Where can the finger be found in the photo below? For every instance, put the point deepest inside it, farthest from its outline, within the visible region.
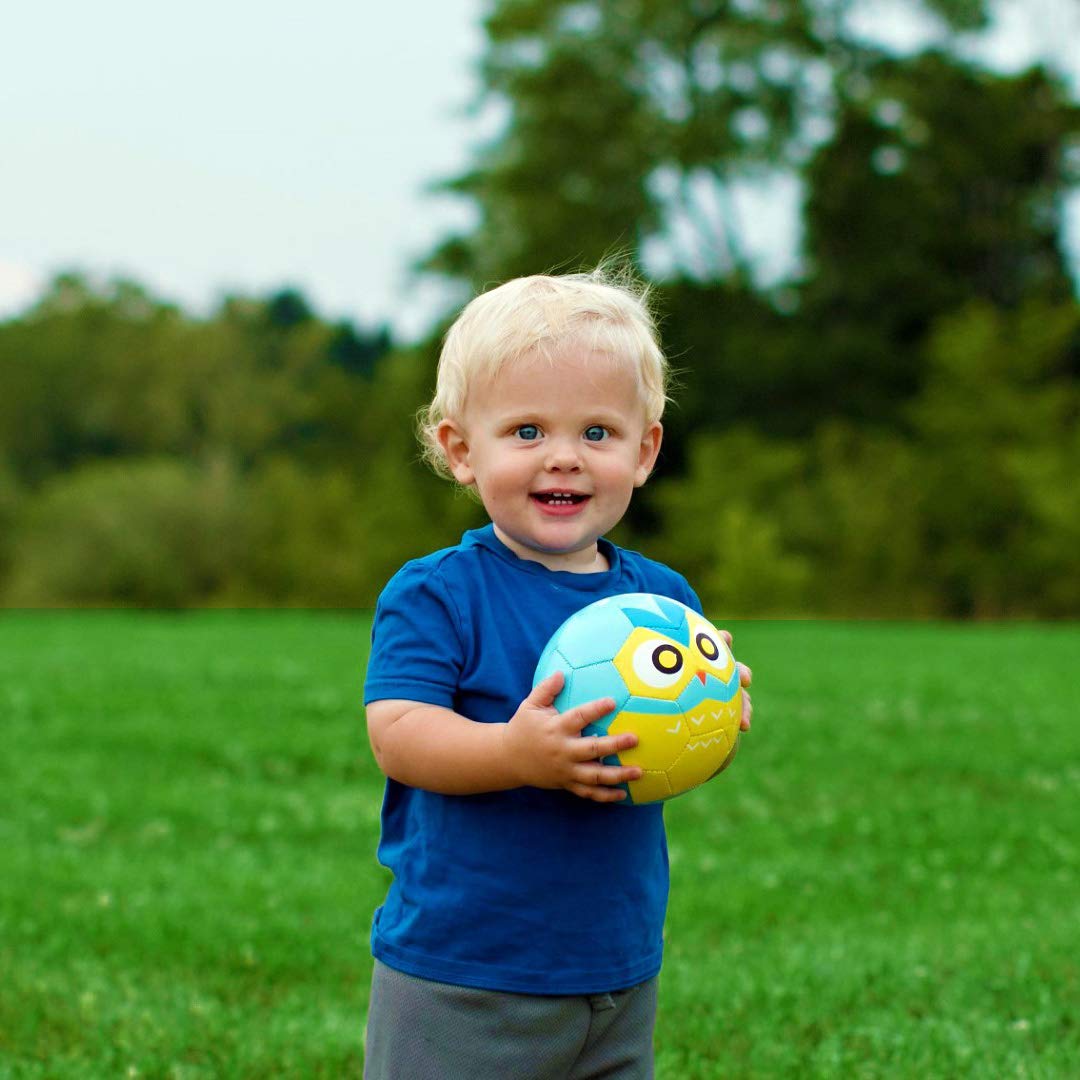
(746, 676)
(597, 794)
(594, 775)
(582, 715)
(547, 690)
(747, 712)
(595, 747)
(726, 635)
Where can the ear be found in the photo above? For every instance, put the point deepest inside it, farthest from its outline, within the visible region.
(451, 437)
(648, 451)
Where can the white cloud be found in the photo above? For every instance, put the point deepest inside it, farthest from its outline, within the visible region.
(19, 287)
(1025, 32)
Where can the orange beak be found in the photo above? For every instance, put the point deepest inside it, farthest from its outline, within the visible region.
(701, 675)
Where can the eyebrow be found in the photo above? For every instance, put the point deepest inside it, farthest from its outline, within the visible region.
(604, 419)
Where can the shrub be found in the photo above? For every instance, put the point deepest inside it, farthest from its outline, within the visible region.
(156, 533)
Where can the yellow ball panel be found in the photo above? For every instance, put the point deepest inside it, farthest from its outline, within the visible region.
(624, 663)
(711, 716)
(699, 761)
(651, 787)
(678, 751)
(661, 739)
(722, 664)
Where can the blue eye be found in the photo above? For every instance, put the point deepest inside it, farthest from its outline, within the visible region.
(596, 433)
(528, 432)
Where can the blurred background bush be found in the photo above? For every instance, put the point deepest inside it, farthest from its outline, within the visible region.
(890, 430)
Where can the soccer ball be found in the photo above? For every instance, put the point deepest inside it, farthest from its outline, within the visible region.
(674, 681)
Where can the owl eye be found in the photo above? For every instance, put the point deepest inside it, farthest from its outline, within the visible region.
(707, 646)
(711, 649)
(657, 664)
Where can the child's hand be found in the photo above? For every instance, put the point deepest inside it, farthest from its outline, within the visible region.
(746, 676)
(546, 749)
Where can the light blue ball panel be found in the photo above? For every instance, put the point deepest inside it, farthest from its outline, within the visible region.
(657, 613)
(590, 683)
(551, 660)
(714, 689)
(594, 634)
(546, 664)
(652, 705)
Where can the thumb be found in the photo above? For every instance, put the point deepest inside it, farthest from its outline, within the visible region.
(546, 690)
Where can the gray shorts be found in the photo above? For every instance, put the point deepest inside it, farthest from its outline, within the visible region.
(423, 1030)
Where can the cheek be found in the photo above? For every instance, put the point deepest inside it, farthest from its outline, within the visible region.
(620, 469)
(503, 473)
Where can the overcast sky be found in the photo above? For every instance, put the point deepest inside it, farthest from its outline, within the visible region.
(233, 145)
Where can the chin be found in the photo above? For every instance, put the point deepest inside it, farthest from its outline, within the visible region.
(557, 549)
(549, 545)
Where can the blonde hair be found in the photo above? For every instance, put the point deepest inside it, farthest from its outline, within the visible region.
(534, 317)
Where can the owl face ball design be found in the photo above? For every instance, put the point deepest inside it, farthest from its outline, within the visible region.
(673, 679)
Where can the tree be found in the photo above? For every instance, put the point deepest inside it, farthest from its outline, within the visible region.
(999, 425)
(255, 456)
(942, 187)
(628, 116)
(929, 184)
(105, 371)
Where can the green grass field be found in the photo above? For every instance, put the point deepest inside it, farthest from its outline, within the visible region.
(886, 883)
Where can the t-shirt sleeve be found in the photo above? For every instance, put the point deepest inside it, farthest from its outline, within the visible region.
(679, 589)
(691, 599)
(416, 652)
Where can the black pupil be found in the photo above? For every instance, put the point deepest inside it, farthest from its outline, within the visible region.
(708, 647)
(666, 659)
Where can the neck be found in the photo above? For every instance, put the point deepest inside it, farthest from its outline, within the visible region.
(589, 560)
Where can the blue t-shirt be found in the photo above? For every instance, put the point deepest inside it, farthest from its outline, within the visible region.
(526, 890)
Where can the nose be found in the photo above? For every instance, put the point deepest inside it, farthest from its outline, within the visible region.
(563, 456)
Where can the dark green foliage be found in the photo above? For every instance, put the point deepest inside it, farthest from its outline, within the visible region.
(92, 373)
(942, 187)
(296, 483)
(971, 512)
(149, 458)
(894, 431)
(1002, 412)
(929, 184)
(620, 113)
(601, 96)
(734, 355)
(158, 532)
(357, 353)
(288, 308)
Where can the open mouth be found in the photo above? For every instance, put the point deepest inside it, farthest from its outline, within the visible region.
(558, 500)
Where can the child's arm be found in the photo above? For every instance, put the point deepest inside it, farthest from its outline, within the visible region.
(430, 747)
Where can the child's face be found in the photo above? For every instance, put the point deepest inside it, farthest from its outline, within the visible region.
(555, 451)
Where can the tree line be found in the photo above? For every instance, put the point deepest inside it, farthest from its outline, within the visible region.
(895, 430)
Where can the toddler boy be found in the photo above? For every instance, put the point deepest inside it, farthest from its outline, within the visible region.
(522, 934)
